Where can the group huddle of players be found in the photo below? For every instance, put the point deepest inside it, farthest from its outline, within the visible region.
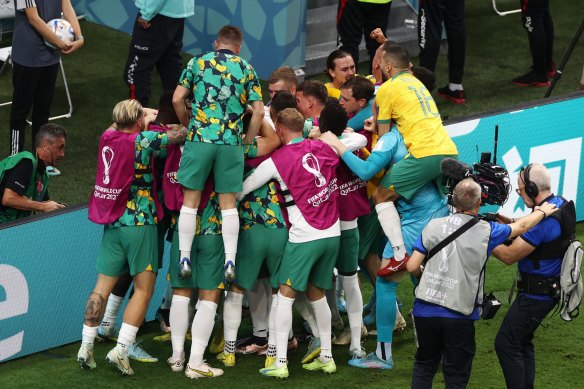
(266, 202)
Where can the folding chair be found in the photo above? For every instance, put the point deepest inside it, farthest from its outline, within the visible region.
(5, 57)
(503, 13)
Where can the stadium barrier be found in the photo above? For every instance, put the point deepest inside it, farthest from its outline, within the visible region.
(47, 262)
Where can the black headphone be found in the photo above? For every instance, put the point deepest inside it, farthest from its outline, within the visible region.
(531, 189)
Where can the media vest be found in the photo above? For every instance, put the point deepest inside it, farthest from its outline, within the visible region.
(33, 191)
(453, 278)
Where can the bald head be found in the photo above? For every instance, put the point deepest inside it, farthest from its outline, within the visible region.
(466, 195)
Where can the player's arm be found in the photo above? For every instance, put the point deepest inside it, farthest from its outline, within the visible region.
(262, 174)
(520, 249)
(176, 133)
(33, 17)
(11, 199)
(415, 262)
(268, 140)
(70, 16)
(178, 102)
(257, 117)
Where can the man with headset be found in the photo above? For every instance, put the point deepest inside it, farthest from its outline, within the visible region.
(538, 253)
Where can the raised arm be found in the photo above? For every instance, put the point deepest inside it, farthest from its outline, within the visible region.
(257, 117)
(268, 140)
(178, 102)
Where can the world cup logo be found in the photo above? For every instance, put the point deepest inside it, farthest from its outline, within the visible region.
(107, 155)
(311, 165)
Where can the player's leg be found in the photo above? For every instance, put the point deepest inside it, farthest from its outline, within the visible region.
(389, 219)
(107, 326)
(195, 165)
(228, 175)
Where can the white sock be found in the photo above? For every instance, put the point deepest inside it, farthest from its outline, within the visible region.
(179, 324)
(88, 334)
(259, 308)
(283, 324)
(230, 232)
(111, 311)
(323, 321)
(454, 87)
(126, 337)
(383, 350)
(231, 320)
(272, 327)
(391, 225)
(187, 226)
(354, 308)
(201, 330)
(303, 306)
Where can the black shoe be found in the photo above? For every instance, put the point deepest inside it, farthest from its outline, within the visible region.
(455, 96)
(531, 79)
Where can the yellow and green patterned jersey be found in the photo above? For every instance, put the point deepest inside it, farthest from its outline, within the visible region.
(406, 100)
(209, 221)
(140, 208)
(261, 205)
(223, 84)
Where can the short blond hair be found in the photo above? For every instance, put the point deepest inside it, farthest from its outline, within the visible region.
(291, 119)
(127, 112)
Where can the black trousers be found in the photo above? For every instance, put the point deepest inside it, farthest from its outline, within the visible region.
(33, 88)
(450, 341)
(354, 19)
(514, 341)
(537, 21)
(430, 17)
(160, 46)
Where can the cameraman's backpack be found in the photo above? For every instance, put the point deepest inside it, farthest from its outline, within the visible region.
(571, 281)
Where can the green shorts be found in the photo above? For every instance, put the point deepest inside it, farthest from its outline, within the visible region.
(256, 246)
(132, 249)
(348, 259)
(198, 158)
(369, 231)
(312, 262)
(410, 174)
(207, 261)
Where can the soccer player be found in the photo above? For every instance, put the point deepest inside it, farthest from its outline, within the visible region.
(23, 176)
(261, 243)
(407, 101)
(282, 79)
(223, 85)
(306, 172)
(357, 98)
(340, 66)
(125, 203)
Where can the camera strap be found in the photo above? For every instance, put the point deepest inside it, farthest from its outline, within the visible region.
(465, 227)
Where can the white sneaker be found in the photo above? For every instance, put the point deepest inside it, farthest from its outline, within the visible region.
(357, 353)
(121, 361)
(176, 364)
(203, 371)
(85, 356)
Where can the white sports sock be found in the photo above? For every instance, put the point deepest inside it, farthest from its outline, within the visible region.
(354, 308)
(111, 311)
(259, 308)
(179, 324)
(231, 319)
(323, 321)
(454, 87)
(230, 232)
(272, 327)
(283, 324)
(126, 337)
(303, 306)
(201, 330)
(187, 226)
(88, 334)
(391, 225)
(383, 350)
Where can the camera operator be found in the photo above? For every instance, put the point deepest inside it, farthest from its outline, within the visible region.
(539, 254)
(450, 290)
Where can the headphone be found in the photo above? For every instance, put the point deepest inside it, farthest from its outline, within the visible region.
(531, 189)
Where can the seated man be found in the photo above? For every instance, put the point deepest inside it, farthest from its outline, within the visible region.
(23, 177)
